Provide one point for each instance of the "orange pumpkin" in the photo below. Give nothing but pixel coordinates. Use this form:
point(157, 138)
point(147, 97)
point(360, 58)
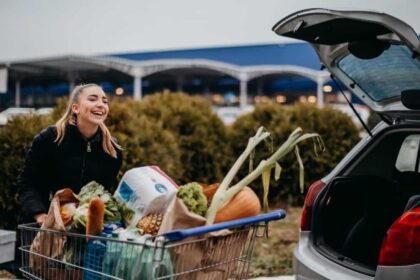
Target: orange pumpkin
point(210, 190)
point(243, 204)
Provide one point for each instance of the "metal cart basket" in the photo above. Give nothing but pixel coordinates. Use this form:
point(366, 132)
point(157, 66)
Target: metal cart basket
point(219, 251)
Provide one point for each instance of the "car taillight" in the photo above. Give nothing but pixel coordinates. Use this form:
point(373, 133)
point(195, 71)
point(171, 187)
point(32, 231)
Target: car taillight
point(313, 191)
point(401, 245)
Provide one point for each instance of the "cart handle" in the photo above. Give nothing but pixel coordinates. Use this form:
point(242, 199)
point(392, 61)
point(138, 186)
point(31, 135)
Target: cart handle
point(180, 234)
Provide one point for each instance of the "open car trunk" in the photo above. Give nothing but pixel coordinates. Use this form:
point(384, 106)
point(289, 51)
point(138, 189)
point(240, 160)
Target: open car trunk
point(356, 209)
point(375, 55)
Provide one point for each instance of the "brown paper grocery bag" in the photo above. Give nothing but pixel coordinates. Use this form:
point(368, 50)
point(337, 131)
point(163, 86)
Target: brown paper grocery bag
point(177, 216)
point(201, 251)
point(49, 244)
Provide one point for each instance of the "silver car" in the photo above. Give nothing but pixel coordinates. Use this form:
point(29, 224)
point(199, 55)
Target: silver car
point(362, 221)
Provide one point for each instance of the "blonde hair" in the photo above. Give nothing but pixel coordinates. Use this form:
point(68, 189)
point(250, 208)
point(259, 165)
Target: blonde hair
point(108, 143)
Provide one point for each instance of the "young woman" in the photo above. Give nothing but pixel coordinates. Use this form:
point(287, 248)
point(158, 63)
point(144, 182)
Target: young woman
point(76, 150)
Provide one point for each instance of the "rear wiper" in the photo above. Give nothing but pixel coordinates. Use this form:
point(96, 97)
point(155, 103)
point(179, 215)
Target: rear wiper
point(352, 107)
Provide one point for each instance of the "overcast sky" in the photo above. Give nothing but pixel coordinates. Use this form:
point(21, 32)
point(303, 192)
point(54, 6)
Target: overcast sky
point(43, 28)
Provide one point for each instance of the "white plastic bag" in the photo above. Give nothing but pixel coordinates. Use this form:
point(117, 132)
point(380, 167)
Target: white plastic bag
point(145, 190)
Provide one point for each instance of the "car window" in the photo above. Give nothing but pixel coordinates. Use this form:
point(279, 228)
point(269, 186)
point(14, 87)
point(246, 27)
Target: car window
point(385, 76)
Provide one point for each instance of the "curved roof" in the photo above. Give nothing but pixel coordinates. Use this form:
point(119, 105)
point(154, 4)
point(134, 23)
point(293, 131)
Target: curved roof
point(298, 54)
point(244, 63)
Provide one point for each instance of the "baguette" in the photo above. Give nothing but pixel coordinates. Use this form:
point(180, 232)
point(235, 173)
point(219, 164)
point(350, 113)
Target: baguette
point(95, 219)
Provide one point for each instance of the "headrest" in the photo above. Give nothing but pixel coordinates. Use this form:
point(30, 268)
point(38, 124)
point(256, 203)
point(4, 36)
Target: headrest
point(408, 156)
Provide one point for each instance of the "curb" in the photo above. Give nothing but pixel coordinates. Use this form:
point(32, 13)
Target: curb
point(286, 277)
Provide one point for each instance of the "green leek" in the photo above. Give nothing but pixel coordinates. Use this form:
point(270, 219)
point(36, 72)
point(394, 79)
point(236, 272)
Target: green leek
point(225, 193)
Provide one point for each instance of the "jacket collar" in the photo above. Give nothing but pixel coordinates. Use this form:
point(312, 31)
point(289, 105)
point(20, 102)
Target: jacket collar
point(74, 133)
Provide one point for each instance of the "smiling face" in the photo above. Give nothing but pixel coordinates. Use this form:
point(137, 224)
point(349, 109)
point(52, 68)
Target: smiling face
point(91, 107)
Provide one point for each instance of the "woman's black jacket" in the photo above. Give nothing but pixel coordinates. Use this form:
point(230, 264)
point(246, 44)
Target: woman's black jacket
point(71, 164)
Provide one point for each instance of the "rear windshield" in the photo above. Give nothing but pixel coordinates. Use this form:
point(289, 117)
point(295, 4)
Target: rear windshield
point(386, 75)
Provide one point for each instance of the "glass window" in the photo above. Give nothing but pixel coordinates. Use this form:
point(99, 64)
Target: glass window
point(386, 75)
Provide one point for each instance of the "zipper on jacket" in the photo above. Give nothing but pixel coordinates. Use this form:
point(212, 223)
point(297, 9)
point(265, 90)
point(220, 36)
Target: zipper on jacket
point(82, 173)
point(88, 150)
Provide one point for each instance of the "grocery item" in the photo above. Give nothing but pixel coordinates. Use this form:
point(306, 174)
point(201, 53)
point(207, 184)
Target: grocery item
point(193, 197)
point(93, 259)
point(46, 243)
point(145, 190)
point(146, 267)
point(67, 211)
point(138, 261)
point(95, 219)
point(150, 224)
point(225, 192)
point(112, 255)
point(94, 189)
point(209, 190)
point(244, 204)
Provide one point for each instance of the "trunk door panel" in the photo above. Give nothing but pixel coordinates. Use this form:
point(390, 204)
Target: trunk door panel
point(380, 64)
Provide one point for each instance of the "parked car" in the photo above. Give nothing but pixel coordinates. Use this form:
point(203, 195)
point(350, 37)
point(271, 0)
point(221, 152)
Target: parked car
point(362, 221)
point(11, 112)
point(229, 114)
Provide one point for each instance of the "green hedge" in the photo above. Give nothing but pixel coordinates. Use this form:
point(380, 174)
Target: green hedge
point(335, 128)
point(183, 136)
point(145, 141)
point(179, 133)
point(199, 132)
point(15, 139)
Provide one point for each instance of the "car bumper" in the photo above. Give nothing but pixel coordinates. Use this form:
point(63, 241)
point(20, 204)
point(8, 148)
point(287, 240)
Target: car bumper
point(308, 264)
point(406, 272)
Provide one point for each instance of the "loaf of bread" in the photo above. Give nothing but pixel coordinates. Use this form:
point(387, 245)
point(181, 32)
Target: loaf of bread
point(95, 219)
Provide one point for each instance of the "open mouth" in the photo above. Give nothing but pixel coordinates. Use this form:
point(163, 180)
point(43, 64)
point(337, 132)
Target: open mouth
point(98, 114)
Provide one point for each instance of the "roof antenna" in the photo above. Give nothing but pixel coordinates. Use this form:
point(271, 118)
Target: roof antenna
point(351, 106)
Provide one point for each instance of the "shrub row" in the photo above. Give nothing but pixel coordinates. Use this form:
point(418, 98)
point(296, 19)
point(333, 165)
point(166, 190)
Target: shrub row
point(15, 139)
point(183, 136)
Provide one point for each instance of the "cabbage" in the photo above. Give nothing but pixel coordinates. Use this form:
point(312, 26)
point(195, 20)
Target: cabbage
point(89, 191)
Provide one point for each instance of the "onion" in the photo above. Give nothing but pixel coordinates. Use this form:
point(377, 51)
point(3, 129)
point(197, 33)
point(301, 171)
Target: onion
point(243, 204)
point(67, 211)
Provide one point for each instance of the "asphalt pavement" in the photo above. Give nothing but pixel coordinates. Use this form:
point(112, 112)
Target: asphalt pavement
point(287, 277)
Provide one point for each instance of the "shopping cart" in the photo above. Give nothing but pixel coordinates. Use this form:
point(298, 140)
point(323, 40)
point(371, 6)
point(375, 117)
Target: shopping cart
point(219, 251)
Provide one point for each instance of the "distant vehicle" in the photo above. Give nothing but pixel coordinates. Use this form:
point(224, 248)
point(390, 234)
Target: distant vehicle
point(44, 111)
point(20, 111)
point(230, 114)
point(362, 221)
point(3, 120)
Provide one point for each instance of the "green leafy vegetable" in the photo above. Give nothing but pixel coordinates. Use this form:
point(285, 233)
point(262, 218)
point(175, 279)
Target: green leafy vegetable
point(89, 191)
point(113, 213)
point(193, 197)
point(80, 217)
point(126, 213)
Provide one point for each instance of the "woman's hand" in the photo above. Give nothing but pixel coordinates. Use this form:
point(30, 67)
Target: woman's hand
point(40, 218)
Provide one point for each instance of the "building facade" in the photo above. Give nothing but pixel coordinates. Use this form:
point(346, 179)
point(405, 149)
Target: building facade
point(228, 76)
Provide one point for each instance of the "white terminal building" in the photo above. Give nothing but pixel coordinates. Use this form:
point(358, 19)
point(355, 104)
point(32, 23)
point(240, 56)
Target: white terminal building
point(234, 79)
